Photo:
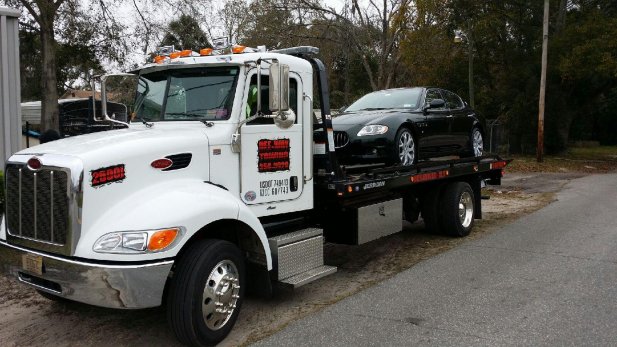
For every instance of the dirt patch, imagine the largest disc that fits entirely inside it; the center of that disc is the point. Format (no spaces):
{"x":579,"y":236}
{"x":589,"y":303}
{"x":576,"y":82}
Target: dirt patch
{"x":28,"y":319}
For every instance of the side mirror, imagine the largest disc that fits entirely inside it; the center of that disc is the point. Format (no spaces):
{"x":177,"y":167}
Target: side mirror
{"x":279,"y":87}
{"x":435,"y":103}
{"x":279,"y":96}
{"x":123,"y":89}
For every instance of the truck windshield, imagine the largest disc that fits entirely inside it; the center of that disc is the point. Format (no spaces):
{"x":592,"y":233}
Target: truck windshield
{"x":186,"y":94}
{"x":390,"y":98}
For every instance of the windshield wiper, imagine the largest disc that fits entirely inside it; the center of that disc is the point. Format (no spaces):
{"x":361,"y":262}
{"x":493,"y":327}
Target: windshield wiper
{"x":192,"y":115}
{"x":145,"y":122}
{"x":373,"y":109}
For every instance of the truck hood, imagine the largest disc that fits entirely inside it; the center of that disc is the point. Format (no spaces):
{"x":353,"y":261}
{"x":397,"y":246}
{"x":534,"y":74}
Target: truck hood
{"x":133,"y":141}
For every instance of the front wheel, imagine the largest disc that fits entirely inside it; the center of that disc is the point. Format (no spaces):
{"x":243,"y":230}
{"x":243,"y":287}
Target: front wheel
{"x":206,"y":292}
{"x":406,"y":151}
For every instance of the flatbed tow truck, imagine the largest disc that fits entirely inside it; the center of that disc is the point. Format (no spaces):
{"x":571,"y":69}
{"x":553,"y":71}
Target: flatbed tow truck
{"x":190,"y":213}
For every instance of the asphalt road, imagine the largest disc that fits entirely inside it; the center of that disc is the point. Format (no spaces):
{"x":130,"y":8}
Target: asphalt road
{"x":549,"y":278}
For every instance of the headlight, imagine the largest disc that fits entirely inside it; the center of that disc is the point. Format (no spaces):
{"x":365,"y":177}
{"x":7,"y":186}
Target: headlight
{"x":136,"y":241}
{"x":373,"y":130}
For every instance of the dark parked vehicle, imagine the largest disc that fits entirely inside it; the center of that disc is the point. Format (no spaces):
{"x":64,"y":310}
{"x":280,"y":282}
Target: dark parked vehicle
{"x":401,"y":126}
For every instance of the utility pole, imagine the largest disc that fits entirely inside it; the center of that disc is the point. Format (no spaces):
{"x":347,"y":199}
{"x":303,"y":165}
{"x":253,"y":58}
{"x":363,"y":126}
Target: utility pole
{"x":540,"y":149}
{"x":459,"y":36}
{"x":470,"y":46}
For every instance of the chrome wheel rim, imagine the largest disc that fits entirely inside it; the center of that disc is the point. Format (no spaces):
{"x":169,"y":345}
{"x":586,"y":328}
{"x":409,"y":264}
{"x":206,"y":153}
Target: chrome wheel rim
{"x":221,"y":294}
{"x":406,"y":149}
{"x":465,"y":209}
{"x":478,"y":143}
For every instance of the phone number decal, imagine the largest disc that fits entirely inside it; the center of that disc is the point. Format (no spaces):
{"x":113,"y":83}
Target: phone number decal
{"x":108,"y":175}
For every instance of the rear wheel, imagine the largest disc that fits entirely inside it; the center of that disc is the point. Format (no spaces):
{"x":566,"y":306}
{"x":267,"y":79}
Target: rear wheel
{"x":206,"y":292}
{"x":457,"y":209}
{"x":477,"y":142}
{"x":405,"y":147}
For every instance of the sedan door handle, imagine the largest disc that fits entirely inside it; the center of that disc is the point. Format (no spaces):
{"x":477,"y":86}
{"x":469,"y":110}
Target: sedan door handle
{"x":449,"y":116}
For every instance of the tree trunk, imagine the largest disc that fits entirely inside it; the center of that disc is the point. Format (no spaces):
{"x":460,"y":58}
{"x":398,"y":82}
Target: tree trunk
{"x":49,"y":104}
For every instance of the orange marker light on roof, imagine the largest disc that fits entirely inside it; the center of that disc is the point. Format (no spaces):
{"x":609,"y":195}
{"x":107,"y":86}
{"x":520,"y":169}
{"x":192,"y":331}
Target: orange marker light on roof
{"x":238,"y":49}
{"x":186,"y":53}
{"x":174,"y":55}
{"x":162,"y":239}
{"x":159,"y":59}
{"x":205,"y":51}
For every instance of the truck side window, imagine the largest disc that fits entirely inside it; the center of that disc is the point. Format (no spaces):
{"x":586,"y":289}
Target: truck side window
{"x":251,"y":103}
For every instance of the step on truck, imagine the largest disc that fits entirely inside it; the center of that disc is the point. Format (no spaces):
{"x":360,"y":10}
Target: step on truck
{"x":193,"y":209}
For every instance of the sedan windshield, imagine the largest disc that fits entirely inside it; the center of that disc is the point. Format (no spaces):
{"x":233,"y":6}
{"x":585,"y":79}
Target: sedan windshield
{"x":186,"y":94}
{"x":385,"y":99}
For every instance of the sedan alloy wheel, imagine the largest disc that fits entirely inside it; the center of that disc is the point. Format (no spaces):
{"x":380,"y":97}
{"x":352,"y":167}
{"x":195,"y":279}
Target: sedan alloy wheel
{"x":406,"y":148}
{"x":477,"y":143}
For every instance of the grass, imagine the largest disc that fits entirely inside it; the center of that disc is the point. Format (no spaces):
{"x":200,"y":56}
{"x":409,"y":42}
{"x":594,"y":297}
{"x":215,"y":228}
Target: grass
{"x":599,"y":159}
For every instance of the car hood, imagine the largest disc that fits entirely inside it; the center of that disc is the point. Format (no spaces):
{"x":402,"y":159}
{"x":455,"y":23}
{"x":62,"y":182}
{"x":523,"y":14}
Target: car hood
{"x":365,"y":117}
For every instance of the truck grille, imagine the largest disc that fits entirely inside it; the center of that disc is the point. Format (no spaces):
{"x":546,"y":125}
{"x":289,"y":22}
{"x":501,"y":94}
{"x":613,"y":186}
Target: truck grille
{"x":341,"y":139}
{"x":37,"y":204}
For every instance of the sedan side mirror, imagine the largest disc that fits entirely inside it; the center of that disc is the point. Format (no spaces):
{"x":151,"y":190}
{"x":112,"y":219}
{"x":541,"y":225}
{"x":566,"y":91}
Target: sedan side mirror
{"x":435,"y":103}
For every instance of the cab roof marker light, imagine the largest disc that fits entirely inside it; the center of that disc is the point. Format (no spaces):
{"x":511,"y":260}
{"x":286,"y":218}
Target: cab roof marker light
{"x":205,"y":51}
{"x":237,"y":49}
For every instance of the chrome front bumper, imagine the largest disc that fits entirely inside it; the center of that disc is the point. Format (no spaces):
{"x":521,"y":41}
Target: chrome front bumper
{"x":107,"y":285}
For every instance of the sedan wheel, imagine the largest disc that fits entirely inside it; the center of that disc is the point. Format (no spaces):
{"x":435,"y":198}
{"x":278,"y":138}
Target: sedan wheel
{"x":477,"y":143}
{"x":406,"y":148}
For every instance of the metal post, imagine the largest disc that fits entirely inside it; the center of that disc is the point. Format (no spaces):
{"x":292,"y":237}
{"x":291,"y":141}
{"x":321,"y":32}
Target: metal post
{"x":27,"y":134}
{"x":540,"y":149}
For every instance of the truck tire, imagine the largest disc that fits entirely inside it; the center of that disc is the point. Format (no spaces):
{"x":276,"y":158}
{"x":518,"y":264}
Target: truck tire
{"x":429,"y":204}
{"x":206,"y":292}
{"x":456,"y":209}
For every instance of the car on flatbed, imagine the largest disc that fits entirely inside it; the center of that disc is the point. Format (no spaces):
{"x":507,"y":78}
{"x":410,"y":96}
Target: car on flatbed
{"x":404,"y":125}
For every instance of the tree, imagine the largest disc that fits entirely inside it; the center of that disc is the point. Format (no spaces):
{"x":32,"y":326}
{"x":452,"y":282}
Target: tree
{"x":373,"y":31}
{"x":86,"y":31}
{"x":185,"y":33}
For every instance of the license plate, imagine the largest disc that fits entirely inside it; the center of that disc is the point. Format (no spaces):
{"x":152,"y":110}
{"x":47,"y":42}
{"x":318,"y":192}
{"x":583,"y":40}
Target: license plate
{"x":32,"y":263}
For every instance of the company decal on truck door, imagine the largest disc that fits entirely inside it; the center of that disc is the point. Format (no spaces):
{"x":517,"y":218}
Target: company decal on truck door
{"x":273,"y":155}
{"x":107,"y":175}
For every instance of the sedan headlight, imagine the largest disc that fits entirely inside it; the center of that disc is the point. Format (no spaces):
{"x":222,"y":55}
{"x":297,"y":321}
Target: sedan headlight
{"x":147,"y":241}
{"x":374,"y":129}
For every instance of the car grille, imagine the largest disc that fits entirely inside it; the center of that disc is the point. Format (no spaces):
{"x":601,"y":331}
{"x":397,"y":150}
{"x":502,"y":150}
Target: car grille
{"x":37,"y":204}
{"x":341,"y":139}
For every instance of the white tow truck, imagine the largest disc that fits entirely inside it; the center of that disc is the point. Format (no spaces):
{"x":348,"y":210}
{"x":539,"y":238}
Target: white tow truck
{"x":224,"y":181}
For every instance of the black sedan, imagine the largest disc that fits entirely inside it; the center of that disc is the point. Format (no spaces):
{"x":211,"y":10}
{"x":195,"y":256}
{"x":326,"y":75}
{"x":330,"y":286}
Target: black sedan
{"x":402,"y":126}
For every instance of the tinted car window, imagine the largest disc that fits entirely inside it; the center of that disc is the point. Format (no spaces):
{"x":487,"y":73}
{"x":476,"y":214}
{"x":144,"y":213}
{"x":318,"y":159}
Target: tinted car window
{"x":390,"y":98}
{"x":433,"y":94}
{"x":453,"y":101}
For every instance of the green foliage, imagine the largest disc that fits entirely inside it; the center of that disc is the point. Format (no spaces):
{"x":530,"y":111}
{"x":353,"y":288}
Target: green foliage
{"x":185,"y":33}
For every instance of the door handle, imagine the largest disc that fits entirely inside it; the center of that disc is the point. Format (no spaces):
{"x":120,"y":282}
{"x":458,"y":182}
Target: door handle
{"x":449,"y":116}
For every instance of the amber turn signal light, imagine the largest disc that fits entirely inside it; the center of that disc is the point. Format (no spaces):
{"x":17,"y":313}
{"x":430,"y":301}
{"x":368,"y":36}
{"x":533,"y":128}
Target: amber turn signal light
{"x":161,"y":239}
{"x":205,"y":51}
